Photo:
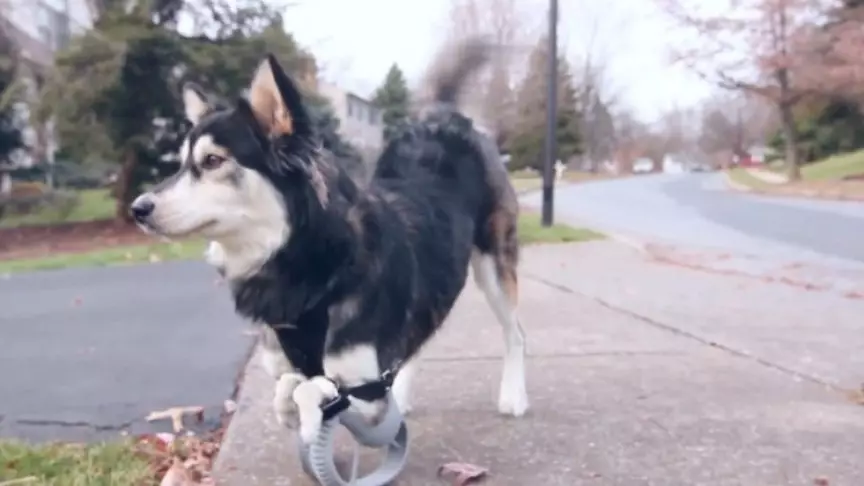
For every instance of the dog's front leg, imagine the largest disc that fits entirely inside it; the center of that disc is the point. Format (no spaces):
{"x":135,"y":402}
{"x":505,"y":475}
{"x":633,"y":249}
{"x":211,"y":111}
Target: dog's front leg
{"x":309,"y":396}
{"x":303,"y":346}
{"x":283,"y":399}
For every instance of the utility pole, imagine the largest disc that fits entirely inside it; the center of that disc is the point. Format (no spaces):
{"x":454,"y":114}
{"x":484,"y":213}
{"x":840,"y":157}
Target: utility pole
{"x":551,"y":116}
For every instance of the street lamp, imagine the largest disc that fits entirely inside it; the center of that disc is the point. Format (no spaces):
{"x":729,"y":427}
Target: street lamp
{"x":551,"y":116}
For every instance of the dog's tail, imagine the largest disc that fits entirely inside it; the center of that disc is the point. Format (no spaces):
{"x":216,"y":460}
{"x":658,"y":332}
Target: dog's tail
{"x":449,"y":82}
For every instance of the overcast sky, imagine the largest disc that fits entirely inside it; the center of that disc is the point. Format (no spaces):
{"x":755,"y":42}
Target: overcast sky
{"x":357,"y":40}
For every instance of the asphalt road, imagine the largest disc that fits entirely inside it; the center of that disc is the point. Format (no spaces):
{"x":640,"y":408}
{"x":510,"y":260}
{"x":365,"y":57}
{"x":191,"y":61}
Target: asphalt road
{"x":697,"y":210}
{"x":86,"y":354}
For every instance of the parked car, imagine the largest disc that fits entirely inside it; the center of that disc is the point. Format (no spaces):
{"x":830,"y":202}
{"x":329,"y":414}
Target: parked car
{"x":643,"y":165}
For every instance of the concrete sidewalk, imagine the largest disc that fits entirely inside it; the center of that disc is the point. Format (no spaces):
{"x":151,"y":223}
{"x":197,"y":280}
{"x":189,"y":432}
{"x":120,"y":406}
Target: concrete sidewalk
{"x":639,"y":373}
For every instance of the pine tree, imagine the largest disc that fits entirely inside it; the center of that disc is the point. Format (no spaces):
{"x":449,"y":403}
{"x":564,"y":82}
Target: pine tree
{"x":393,"y":99}
{"x":527,"y":144}
{"x":11,"y":139}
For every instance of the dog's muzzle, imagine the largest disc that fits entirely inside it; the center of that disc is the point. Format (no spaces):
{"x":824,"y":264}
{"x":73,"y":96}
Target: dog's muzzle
{"x":142,"y":208}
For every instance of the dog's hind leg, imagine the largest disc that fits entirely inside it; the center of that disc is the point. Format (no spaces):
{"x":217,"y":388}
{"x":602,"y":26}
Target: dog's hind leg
{"x":496,"y":277}
{"x":402,"y":386}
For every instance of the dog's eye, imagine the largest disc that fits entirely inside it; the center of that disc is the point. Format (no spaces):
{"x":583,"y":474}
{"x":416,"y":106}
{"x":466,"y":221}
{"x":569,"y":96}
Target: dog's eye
{"x":212,"y":162}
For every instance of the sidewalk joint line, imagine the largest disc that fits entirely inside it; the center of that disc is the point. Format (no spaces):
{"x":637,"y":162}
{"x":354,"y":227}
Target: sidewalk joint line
{"x":693,"y":337}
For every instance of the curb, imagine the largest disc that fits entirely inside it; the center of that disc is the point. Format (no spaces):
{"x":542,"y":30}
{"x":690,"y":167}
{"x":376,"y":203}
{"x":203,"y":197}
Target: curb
{"x":818,"y":196}
{"x":243,"y":404}
{"x":736,"y":186}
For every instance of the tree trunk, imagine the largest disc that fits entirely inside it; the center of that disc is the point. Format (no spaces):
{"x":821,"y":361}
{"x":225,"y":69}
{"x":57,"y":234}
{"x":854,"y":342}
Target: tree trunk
{"x":123,"y":187}
{"x":790,"y":140}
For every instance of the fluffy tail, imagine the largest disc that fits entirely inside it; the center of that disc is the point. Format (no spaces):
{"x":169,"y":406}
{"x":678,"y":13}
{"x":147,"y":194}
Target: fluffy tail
{"x":451,"y":77}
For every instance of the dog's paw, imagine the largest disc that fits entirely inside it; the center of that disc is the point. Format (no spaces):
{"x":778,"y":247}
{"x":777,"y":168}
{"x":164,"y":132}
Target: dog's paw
{"x":513,"y":402}
{"x":283,"y":399}
{"x":309,"y":396}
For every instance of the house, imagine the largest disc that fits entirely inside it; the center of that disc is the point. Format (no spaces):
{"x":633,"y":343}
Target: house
{"x":39,"y":29}
{"x":360,"y":121}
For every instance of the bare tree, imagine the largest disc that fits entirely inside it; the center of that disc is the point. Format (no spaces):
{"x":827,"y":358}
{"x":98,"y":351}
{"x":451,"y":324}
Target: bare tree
{"x":733,"y":121}
{"x":751,"y":46}
{"x":597,"y":28}
{"x":510,"y":25}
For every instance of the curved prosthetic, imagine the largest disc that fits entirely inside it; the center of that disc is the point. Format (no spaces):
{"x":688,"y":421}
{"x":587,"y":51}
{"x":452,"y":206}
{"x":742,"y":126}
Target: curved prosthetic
{"x":390,"y":433}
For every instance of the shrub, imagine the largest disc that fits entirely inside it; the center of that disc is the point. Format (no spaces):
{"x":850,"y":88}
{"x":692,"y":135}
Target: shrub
{"x":29,"y":198}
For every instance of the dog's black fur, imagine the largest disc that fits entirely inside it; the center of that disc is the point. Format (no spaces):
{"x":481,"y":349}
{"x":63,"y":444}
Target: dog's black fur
{"x":400,"y":247}
{"x":381,"y":264}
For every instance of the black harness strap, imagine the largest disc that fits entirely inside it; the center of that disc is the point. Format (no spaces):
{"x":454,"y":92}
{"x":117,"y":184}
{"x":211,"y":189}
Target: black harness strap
{"x":368,"y":392}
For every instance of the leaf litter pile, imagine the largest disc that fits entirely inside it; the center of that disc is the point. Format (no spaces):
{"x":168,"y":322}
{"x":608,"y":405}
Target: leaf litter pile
{"x":181,"y":458}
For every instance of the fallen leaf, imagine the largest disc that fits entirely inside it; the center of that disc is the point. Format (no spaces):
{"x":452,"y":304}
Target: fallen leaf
{"x":178,"y":475}
{"x":462,"y":474}
{"x":176,"y":415}
{"x":821,"y":481}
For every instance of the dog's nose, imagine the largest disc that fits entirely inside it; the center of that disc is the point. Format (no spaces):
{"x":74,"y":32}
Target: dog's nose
{"x":142,"y":208}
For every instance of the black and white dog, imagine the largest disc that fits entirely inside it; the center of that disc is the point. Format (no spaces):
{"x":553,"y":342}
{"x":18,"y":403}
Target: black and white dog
{"x":349,"y":281}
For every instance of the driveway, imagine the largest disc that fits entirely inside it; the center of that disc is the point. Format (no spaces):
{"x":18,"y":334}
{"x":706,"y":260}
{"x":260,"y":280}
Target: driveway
{"x":697,"y":210}
{"x":89,"y":353}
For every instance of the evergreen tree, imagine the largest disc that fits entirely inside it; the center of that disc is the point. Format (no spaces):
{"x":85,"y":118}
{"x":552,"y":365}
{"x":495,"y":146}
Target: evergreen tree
{"x":11,"y":139}
{"x":527,"y":144}
{"x":393,"y":99}
{"x":115,"y":93}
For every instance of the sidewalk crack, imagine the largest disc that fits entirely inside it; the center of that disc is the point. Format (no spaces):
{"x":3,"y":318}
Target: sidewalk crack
{"x":688,"y":335}
{"x":65,"y":423}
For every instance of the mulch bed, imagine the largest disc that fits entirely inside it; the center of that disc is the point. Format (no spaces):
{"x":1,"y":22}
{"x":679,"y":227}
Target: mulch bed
{"x":37,"y":241}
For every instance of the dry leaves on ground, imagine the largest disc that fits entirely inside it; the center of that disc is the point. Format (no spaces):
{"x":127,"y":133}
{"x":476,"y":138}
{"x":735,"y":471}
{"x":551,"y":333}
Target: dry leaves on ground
{"x":462,"y":474}
{"x":181,"y":460}
{"x":176,"y":415}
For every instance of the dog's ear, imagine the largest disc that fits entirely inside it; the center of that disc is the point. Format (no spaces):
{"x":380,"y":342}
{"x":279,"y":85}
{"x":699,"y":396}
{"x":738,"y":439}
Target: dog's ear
{"x":277,"y":102}
{"x":195,"y":102}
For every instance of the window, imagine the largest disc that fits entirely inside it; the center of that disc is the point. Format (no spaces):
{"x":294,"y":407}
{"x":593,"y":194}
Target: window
{"x":53,"y":26}
{"x":358,"y":109}
{"x":43,"y":24}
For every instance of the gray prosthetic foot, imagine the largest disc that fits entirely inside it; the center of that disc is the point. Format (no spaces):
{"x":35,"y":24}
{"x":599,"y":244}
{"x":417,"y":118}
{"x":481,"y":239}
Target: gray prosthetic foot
{"x":389,"y":434}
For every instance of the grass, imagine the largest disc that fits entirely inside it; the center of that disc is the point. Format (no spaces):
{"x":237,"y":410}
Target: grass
{"x":835,"y":167}
{"x":741,"y":176}
{"x":117,"y":255}
{"x":109,"y":464}
{"x":525,"y":181}
{"x":532,"y":232}
{"x":93,"y":205}
{"x":524,"y":184}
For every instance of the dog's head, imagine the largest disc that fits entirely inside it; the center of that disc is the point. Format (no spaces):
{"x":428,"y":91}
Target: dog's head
{"x":237,"y":167}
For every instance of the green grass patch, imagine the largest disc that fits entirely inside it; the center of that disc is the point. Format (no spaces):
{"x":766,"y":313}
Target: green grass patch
{"x":92,"y":205}
{"x":117,"y":255}
{"x":532,"y":231}
{"x":109,"y":464}
{"x":741,"y":176}
{"x":524,"y":184}
{"x":835,"y":167}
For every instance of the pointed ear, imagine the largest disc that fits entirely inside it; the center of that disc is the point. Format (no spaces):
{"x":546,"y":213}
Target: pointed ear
{"x":194,"y":102}
{"x":277,"y":102}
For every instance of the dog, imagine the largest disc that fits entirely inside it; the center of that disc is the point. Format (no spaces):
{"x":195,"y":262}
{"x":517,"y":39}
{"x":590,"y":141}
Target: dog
{"x":348,"y":281}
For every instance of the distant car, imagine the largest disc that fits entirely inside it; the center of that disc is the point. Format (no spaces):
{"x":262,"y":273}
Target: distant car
{"x":701,"y":168}
{"x":642,"y":166}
